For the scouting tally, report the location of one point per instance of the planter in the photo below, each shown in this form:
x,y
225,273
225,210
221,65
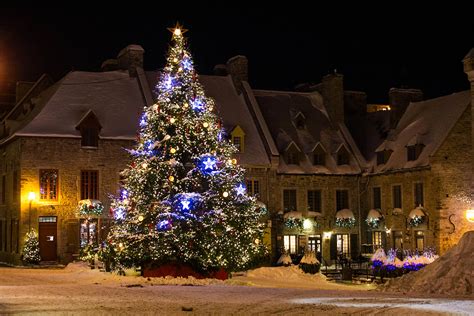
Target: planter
x,y
182,270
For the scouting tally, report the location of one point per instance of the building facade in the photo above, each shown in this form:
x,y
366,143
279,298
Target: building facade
x,y
337,176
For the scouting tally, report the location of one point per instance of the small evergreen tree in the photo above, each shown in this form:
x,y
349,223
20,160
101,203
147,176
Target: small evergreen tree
x,y
31,251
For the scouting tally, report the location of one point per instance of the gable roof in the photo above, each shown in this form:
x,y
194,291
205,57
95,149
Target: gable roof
x,y
114,97
426,122
279,110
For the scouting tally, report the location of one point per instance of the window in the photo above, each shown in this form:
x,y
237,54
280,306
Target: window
x,y
88,232
342,199
289,200
419,240
314,243
292,157
89,184
319,159
377,240
253,187
314,200
397,196
414,151
89,127
342,157
383,156
3,195
289,243
49,184
342,244
238,136
237,141
419,194
377,195
90,137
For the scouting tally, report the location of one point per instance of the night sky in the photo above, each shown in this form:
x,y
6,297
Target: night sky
x,y
285,45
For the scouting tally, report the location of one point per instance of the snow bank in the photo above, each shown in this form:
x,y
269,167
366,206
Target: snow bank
x,y
450,274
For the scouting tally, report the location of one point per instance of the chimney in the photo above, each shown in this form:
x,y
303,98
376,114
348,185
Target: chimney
x,y
130,58
333,95
237,67
110,65
399,99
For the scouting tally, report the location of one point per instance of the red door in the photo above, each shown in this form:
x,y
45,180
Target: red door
x,y
48,238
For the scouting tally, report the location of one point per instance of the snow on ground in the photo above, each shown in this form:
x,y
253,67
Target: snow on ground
x,y
451,274
79,290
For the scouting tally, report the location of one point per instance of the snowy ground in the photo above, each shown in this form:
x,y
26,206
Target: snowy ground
x,y
79,290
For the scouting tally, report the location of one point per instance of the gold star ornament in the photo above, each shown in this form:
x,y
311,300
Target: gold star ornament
x,y
177,30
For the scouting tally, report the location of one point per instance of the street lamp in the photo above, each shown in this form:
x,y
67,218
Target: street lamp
x,y
470,215
31,197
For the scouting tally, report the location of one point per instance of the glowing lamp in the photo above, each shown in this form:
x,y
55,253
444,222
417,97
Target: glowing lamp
x,y
171,178
205,124
307,224
177,32
225,194
140,218
31,196
327,235
470,216
172,150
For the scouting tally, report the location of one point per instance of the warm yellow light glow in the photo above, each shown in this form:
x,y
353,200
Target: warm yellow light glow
x,y
171,178
144,165
172,120
177,32
234,161
185,105
327,235
470,216
140,218
307,224
225,194
172,150
388,231
175,60
31,196
205,124
120,245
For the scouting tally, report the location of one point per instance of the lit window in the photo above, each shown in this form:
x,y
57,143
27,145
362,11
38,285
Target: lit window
x,y
342,244
88,232
238,138
237,141
49,184
377,240
289,242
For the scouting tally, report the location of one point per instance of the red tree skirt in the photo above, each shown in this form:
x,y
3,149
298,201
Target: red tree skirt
x,y
182,270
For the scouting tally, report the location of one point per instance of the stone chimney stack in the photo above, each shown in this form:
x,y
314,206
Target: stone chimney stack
x,y
333,95
130,58
237,67
399,100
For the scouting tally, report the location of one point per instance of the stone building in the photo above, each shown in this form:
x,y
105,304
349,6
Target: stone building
x,y
337,175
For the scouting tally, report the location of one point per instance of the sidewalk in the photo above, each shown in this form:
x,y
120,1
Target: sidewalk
x,y
42,265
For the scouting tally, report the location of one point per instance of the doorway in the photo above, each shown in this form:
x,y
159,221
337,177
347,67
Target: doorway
x,y
48,234
314,244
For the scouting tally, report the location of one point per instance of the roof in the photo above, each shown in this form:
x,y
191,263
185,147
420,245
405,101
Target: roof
x,y
113,96
426,122
280,111
233,110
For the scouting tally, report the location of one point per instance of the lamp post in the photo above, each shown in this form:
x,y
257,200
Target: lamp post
x,y
31,197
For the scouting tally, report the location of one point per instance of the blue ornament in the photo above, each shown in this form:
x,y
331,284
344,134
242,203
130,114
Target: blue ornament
x,y
197,104
119,213
207,164
163,225
186,63
143,121
185,205
241,189
124,194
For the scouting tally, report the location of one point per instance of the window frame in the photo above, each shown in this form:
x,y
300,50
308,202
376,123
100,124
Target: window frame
x,y
315,193
415,193
401,196
338,199
290,243
90,194
377,205
57,185
289,200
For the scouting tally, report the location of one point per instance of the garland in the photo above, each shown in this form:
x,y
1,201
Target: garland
x,y
292,223
373,222
345,222
416,221
89,208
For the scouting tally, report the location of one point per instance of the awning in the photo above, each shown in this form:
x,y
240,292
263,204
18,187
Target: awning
x,y
345,213
419,211
294,214
374,214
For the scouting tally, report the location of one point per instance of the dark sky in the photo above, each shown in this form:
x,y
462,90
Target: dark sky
x,y
375,48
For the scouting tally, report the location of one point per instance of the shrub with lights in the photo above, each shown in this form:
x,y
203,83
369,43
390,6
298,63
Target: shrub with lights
x,y
31,251
184,199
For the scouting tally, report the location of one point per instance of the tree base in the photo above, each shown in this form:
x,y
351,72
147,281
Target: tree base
x,y
182,270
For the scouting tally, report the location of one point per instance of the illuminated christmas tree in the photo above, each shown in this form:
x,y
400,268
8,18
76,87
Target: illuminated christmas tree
x,y
184,199
31,251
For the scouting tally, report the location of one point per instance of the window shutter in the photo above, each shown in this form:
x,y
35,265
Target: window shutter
x,y
333,249
354,246
73,237
384,240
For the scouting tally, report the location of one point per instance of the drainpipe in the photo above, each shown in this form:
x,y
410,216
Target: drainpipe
x,y
359,206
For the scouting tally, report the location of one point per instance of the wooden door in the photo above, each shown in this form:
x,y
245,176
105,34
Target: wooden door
x,y
48,238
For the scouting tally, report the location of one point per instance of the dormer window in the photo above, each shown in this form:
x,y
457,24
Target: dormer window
x,y
300,121
292,155
238,136
342,156
414,151
383,156
319,156
89,127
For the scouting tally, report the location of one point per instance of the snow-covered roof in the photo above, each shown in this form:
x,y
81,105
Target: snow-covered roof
x,y
113,96
426,122
345,213
374,214
233,111
280,109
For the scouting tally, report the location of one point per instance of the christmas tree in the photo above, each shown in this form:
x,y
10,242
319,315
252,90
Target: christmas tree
x,y
184,199
31,251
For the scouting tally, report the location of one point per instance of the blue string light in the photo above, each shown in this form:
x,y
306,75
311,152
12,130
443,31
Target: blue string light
x,y
207,164
241,189
197,104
